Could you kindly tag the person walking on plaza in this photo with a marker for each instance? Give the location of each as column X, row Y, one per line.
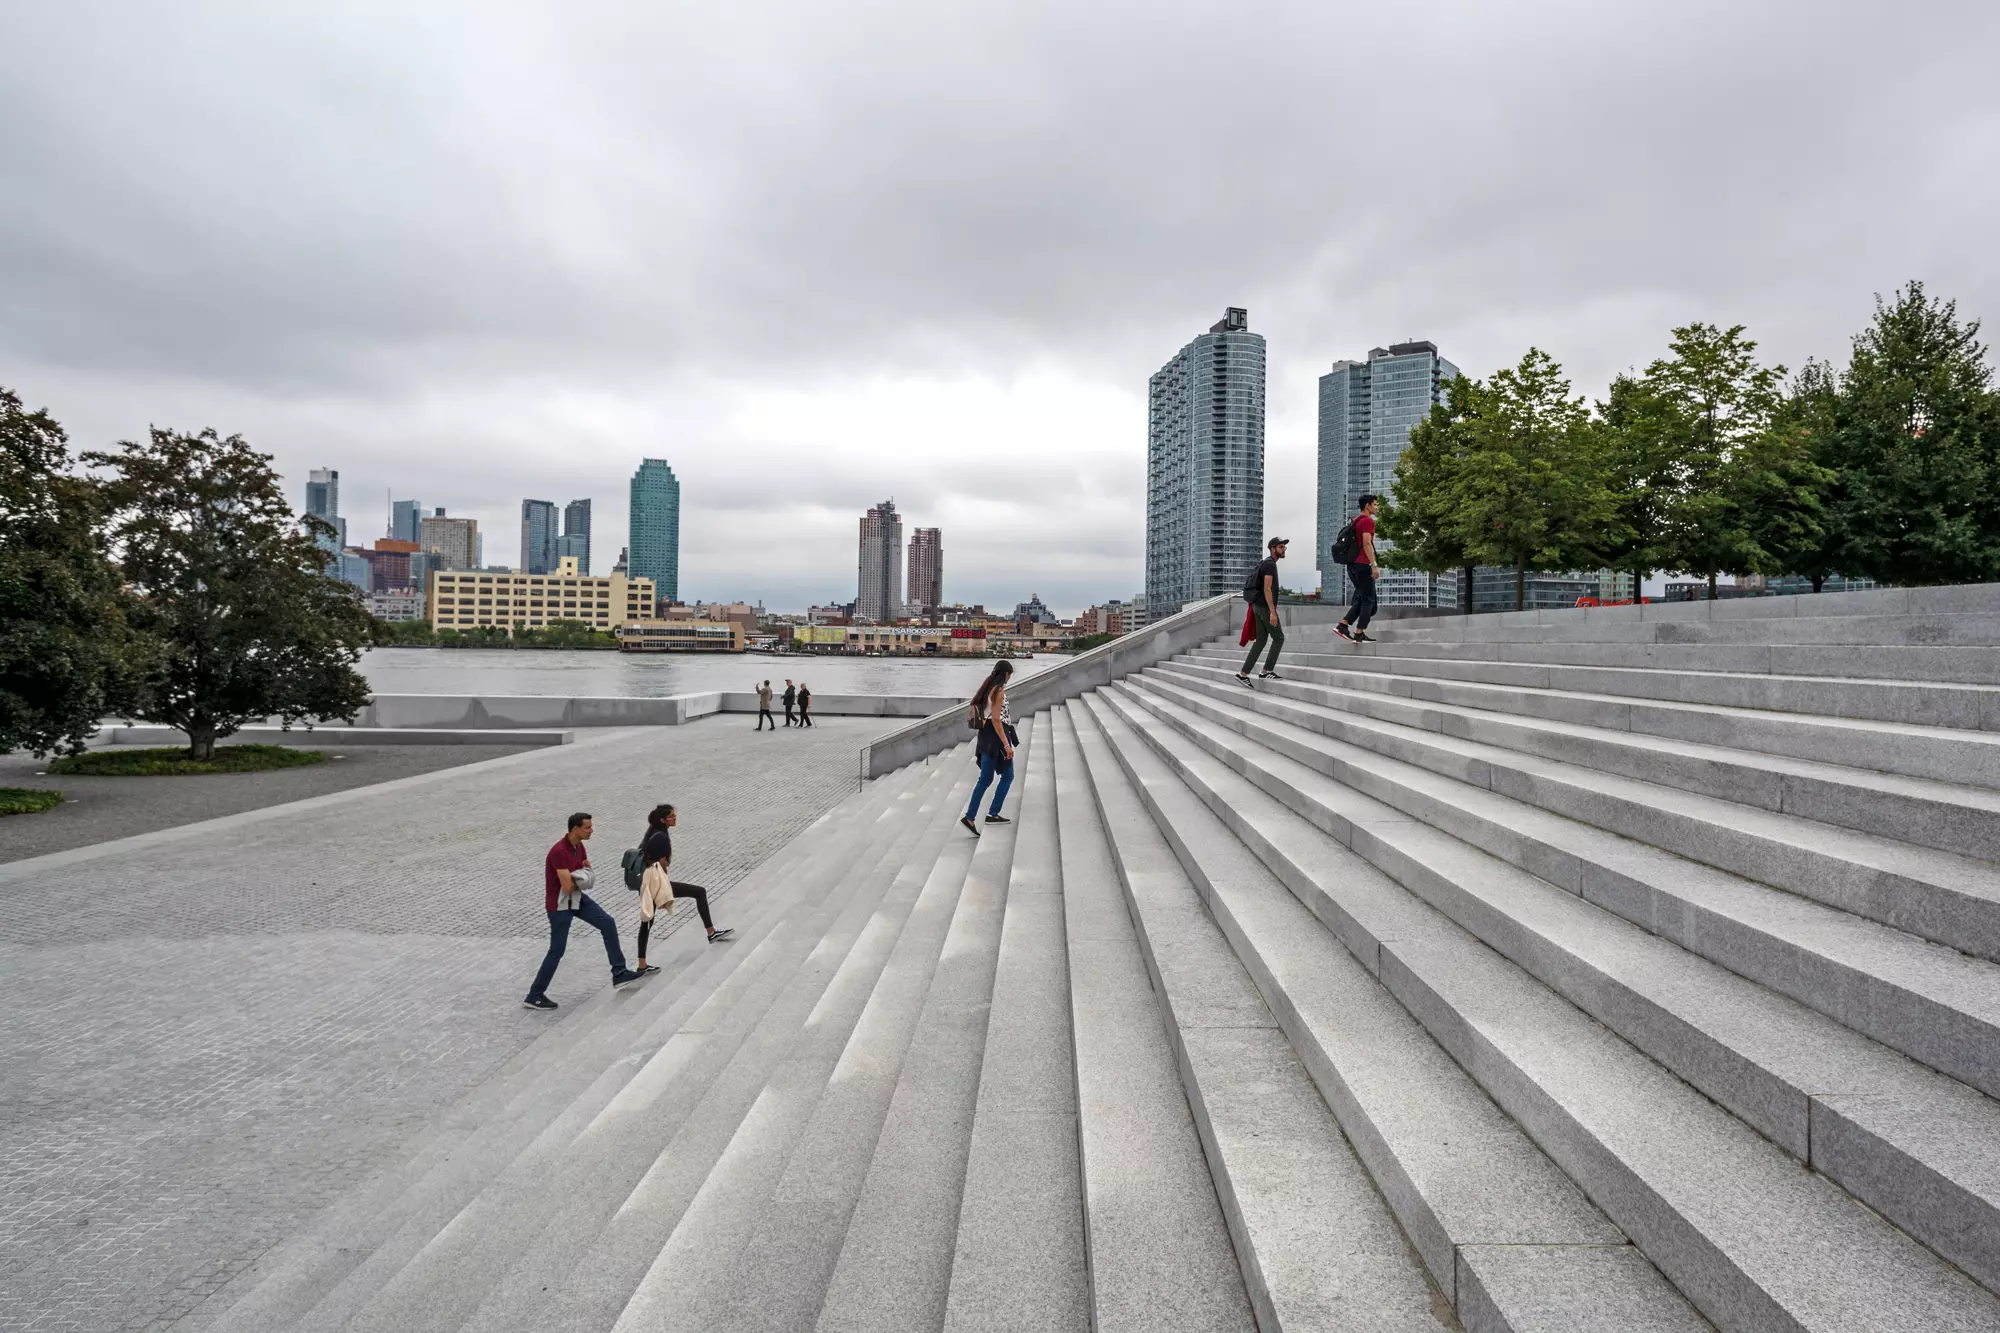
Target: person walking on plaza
column 657, row 892
column 995, row 746
column 1362, row 571
column 566, row 883
column 764, row 707
column 1261, row 591
column 805, row 705
column 791, row 699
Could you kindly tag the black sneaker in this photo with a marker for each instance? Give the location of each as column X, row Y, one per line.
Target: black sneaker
column 626, row 977
column 718, row 936
column 647, row 970
column 967, row 821
column 1363, row 636
column 1269, row 675
column 538, row 1002
column 998, row 819
column 1244, row 677
column 1344, row 632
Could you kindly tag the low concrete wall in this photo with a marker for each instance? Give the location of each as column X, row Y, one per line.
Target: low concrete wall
column 1193, row 625
column 341, row 734
column 456, row 712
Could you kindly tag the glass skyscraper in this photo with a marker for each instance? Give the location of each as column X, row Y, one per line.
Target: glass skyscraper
column 575, row 539
column 406, row 520
column 1205, row 467
column 878, row 593
column 538, row 536
column 1366, row 410
column 655, row 550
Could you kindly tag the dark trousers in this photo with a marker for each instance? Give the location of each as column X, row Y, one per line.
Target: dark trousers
column 694, row 891
column 805, row 717
column 763, row 716
column 1269, row 629
column 990, row 763
column 790, row 721
column 559, row 923
column 1364, row 595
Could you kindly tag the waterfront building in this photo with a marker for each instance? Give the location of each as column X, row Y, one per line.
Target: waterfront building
column 395, row 604
column 1205, row 466
column 389, row 565
column 879, row 582
column 538, row 536
column 575, row 539
column 681, row 635
column 469, row 599
column 926, row 570
column 1033, row 612
column 453, row 543
column 1366, row 410
column 406, row 520
column 655, row 552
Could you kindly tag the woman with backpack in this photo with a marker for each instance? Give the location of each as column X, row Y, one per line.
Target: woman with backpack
column 995, row 747
column 657, row 892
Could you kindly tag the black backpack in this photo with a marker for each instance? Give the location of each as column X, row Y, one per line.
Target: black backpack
column 1346, row 546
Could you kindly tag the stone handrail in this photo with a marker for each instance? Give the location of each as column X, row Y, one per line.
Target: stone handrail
column 1194, row 624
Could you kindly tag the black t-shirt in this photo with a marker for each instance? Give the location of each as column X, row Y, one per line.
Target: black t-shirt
column 1254, row 587
column 658, row 846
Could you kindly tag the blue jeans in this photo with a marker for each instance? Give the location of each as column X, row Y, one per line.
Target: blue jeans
column 990, row 763
column 559, row 923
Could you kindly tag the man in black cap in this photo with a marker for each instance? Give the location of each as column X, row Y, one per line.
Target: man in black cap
column 1262, row 593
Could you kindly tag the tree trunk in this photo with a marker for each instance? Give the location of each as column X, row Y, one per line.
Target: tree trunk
column 1711, row 585
column 1465, row 607
column 1638, row 583
column 1521, row 586
column 201, row 741
column 1819, row 581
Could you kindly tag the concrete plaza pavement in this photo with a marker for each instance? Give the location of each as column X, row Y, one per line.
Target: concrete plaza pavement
column 215, row 1029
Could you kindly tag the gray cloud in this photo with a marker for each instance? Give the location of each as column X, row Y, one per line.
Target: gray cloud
column 483, row 251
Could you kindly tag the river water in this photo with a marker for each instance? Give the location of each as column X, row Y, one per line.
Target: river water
column 500, row 671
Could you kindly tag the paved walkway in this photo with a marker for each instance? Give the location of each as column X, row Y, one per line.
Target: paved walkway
column 213, row 1031
column 100, row 809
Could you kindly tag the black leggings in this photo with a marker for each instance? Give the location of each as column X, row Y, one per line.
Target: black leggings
column 694, row 891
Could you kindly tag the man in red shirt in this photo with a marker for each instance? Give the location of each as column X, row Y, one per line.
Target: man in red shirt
column 1363, row 572
column 566, row 880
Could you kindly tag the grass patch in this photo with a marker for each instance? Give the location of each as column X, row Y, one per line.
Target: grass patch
column 169, row 762
column 28, row 800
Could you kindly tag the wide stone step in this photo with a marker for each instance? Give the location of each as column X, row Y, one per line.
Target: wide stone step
column 1018, row 1261
column 1944, row 753
column 1933, row 1003
column 1943, row 816
column 602, row 1140
column 1920, row 1148
column 1159, row 1255
column 1461, row 1178
column 600, row 1243
column 1751, row 1239
column 821, row 1109
column 1938, row 895
column 1904, row 662
column 490, row 1126
column 1964, row 630
column 1913, row 702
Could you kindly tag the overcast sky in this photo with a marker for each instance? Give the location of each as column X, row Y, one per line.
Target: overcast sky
column 815, row 255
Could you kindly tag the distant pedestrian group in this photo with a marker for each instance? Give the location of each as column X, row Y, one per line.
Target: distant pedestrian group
column 798, row 706
column 568, row 878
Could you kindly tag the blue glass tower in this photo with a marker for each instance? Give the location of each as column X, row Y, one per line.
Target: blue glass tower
column 655, row 550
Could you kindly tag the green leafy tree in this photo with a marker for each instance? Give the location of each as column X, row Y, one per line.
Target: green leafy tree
column 232, row 587
column 1804, row 536
column 1420, row 524
column 1532, row 489
column 1915, row 438
column 66, row 656
column 1640, row 471
column 1707, row 399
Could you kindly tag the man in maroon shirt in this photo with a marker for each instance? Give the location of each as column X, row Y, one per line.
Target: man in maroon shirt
column 566, row 878
column 1363, row 571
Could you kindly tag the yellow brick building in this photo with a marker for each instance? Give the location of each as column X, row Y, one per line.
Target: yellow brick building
column 468, row 599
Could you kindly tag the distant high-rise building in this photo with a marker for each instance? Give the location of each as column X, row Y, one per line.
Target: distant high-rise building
column 1366, row 410
column 453, row 543
column 406, row 520
column 538, row 536
column 1205, row 467
column 926, row 570
column 655, row 552
column 323, row 502
column 575, row 539
column 624, row 562
column 879, row 595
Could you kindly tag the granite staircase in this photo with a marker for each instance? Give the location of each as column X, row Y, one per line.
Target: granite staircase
column 1633, row 969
